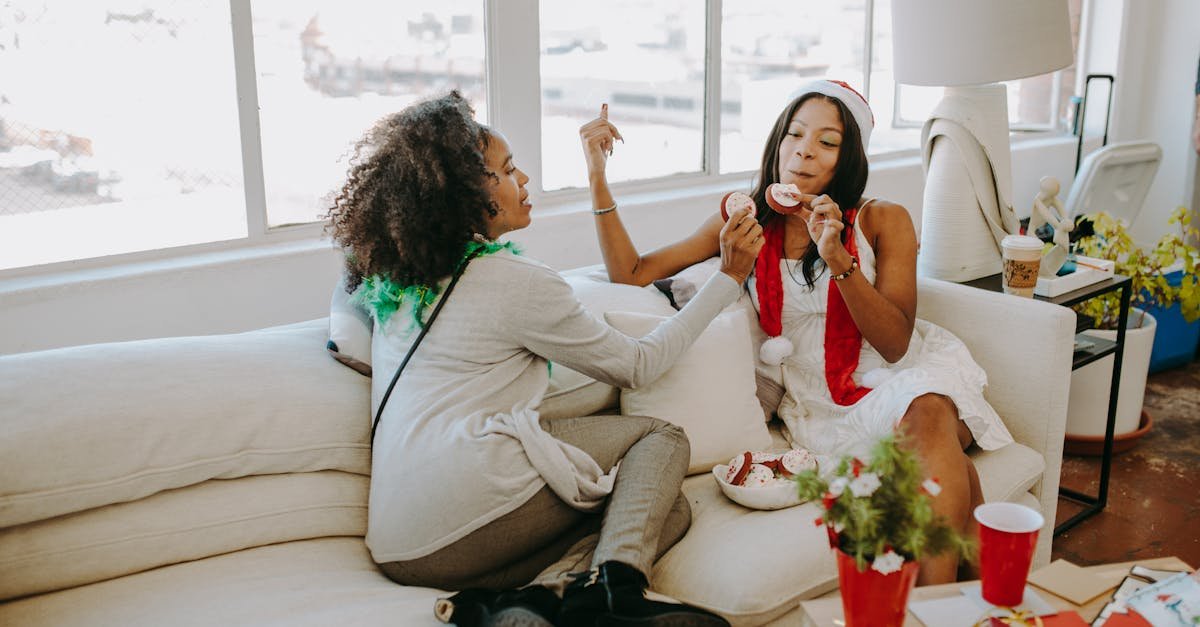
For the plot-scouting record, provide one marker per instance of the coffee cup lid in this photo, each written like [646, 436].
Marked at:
[1022, 242]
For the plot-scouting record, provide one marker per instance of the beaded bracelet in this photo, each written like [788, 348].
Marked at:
[600, 212]
[848, 272]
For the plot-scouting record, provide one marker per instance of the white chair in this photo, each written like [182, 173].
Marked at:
[1115, 179]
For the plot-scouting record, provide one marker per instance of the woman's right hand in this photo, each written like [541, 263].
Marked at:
[741, 239]
[598, 137]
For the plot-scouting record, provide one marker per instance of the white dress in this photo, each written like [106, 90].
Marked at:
[936, 362]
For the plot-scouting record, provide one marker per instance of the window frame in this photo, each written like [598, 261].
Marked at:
[512, 46]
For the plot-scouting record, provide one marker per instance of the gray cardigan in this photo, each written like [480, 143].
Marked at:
[459, 443]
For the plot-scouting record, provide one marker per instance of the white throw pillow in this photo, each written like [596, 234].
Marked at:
[571, 393]
[350, 328]
[710, 391]
[88, 426]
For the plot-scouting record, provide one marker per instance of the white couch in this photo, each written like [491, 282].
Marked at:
[222, 480]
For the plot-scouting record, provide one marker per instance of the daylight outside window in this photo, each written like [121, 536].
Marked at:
[645, 58]
[327, 70]
[118, 129]
[770, 47]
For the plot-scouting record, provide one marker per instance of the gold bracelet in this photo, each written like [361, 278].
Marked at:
[600, 212]
[853, 266]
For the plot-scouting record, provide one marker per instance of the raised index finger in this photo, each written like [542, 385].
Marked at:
[604, 112]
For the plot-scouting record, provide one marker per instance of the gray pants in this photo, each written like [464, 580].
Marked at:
[545, 539]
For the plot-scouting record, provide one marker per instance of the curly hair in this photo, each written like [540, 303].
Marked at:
[415, 194]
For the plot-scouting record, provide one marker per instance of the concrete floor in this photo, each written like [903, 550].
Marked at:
[1154, 488]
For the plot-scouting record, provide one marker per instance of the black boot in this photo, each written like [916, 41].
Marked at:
[532, 606]
[614, 595]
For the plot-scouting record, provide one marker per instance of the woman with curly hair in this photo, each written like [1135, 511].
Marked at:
[470, 490]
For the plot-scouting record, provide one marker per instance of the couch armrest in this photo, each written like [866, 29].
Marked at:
[1025, 346]
[89, 426]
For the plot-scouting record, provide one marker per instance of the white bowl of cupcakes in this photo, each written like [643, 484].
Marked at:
[761, 480]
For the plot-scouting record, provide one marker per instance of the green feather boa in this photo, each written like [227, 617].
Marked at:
[384, 298]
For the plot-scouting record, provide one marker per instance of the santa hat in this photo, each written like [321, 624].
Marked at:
[848, 96]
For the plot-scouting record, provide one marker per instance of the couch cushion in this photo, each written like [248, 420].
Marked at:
[178, 525]
[709, 391]
[350, 328]
[330, 581]
[88, 426]
[573, 394]
[1008, 473]
[748, 565]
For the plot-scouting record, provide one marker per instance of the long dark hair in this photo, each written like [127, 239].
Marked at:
[849, 174]
[416, 193]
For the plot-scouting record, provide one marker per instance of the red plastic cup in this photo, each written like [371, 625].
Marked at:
[1007, 536]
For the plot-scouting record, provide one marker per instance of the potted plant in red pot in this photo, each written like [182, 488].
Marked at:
[880, 521]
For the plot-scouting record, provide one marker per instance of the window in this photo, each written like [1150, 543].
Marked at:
[770, 47]
[136, 125]
[643, 57]
[327, 70]
[118, 129]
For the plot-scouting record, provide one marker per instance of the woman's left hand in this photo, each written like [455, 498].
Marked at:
[825, 227]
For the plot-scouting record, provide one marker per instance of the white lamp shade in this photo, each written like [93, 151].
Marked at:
[972, 42]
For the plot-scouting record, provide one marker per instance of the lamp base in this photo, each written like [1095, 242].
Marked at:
[966, 209]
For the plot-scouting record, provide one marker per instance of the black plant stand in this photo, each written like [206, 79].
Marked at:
[1101, 348]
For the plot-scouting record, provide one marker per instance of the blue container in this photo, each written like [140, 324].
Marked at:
[1175, 340]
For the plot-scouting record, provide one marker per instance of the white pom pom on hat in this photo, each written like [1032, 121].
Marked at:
[775, 350]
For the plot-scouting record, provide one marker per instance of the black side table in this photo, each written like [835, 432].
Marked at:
[1102, 348]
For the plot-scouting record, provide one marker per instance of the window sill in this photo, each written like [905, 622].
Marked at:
[33, 286]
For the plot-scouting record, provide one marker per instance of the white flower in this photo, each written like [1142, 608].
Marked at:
[932, 487]
[837, 486]
[865, 484]
[887, 563]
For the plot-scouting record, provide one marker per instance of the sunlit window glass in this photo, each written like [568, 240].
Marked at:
[118, 129]
[770, 47]
[328, 69]
[645, 58]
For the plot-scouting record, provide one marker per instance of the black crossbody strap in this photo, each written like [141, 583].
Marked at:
[425, 329]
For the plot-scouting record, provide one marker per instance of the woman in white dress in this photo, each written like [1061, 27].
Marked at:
[845, 360]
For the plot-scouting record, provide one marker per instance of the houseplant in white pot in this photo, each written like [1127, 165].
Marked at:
[1148, 269]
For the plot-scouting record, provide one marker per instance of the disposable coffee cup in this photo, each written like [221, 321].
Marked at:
[1022, 258]
[1007, 538]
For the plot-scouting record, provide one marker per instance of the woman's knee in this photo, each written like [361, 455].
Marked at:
[929, 416]
[668, 431]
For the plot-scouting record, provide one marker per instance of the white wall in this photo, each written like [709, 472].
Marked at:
[248, 289]
[1154, 99]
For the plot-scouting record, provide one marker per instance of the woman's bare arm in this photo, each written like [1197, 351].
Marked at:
[886, 312]
[621, 258]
